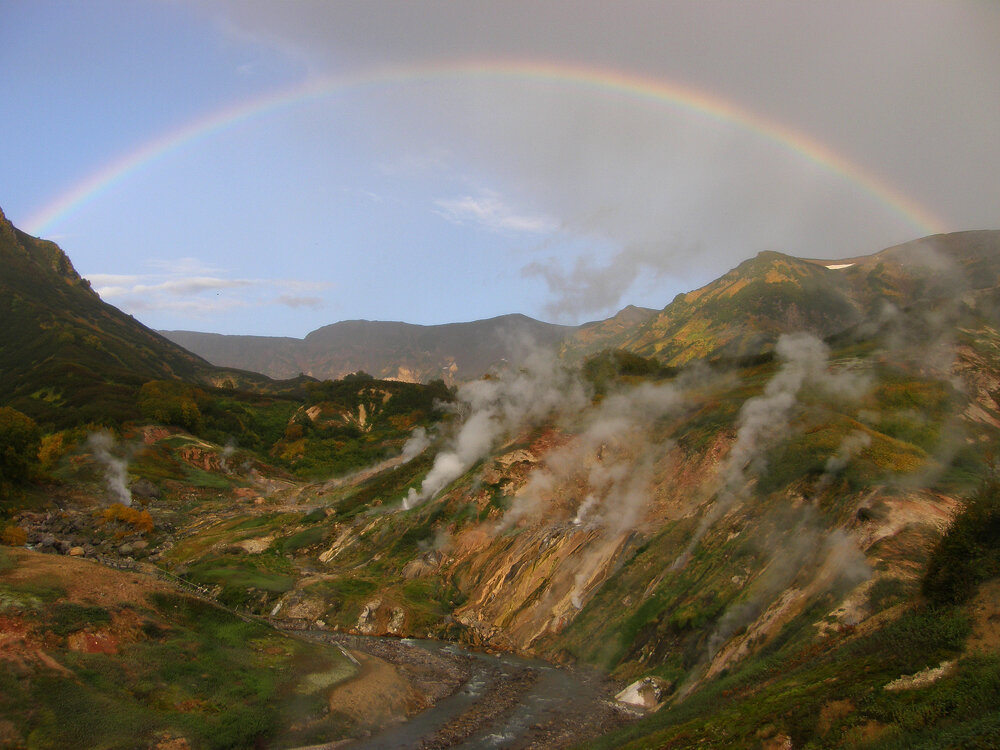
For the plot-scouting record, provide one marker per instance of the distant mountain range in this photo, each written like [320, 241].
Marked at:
[388, 350]
[59, 330]
[740, 314]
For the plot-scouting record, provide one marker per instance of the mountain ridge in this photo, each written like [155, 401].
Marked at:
[386, 349]
[66, 355]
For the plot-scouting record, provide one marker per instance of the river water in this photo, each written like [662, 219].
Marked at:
[506, 703]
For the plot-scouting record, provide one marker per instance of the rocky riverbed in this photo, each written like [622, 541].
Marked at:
[478, 700]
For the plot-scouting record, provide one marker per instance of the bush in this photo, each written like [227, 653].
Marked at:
[139, 519]
[171, 402]
[13, 536]
[969, 552]
[19, 443]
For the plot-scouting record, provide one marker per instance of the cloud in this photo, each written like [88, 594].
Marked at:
[289, 300]
[590, 287]
[560, 139]
[488, 209]
[185, 287]
[191, 308]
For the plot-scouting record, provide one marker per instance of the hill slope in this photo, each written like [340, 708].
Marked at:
[401, 351]
[68, 357]
[744, 312]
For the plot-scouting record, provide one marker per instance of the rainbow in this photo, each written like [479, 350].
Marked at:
[608, 82]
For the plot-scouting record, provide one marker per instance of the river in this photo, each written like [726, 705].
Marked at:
[502, 701]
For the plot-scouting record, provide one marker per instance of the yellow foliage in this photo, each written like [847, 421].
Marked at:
[139, 519]
[294, 449]
[53, 447]
[13, 536]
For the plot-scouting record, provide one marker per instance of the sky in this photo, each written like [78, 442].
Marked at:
[267, 168]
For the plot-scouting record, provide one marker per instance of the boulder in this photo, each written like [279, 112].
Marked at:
[647, 693]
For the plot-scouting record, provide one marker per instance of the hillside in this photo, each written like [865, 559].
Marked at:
[743, 312]
[68, 357]
[399, 351]
[752, 543]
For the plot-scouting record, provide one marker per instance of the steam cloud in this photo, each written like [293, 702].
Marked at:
[498, 407]
[101, 445]
[612, 458]
[415, 445]
[800, 548]
[764, 420]
[610, 464]
[588, 287]
[227, 452]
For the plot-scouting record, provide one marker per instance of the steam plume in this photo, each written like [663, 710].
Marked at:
[764, 420]
[498, 407]
[115, 475]
[415, 445]
[612, 457]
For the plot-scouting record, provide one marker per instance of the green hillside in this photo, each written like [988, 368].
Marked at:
[774, 508]
[66, 356]
[743, 312]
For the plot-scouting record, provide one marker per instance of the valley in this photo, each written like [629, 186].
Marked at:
[766, 516]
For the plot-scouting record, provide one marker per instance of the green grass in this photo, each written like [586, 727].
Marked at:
[245, 582]
[301, 540]
[193, 671]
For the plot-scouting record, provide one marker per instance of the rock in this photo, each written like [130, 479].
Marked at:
[923, 678]
[145, 489]
[396, 621]
[125, 549]
[366, 620]
[76, 551]
[47, 540]
[647, 693]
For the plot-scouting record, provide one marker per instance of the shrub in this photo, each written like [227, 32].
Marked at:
[139, 519]
[171, 402]
[19, 443]
[13, 536]
[969, 552]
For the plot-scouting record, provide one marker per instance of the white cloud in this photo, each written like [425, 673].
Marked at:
[290, 300]
[180, 287]
[489, 210]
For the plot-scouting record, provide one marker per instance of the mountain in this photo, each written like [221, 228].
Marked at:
[388, 350]
[599, 335]
[68, 357]
[745, 311]
[800, 548]
[61, 347]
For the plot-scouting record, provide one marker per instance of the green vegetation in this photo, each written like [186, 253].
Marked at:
[19, 444]
[189, 669]
[601, 369]
[243, 581]
[826, 696]
[355, 422]
[969, 553]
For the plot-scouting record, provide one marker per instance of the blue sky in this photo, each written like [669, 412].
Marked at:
[436, 198]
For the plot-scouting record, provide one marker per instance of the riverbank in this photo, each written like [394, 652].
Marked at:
[465, 700]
